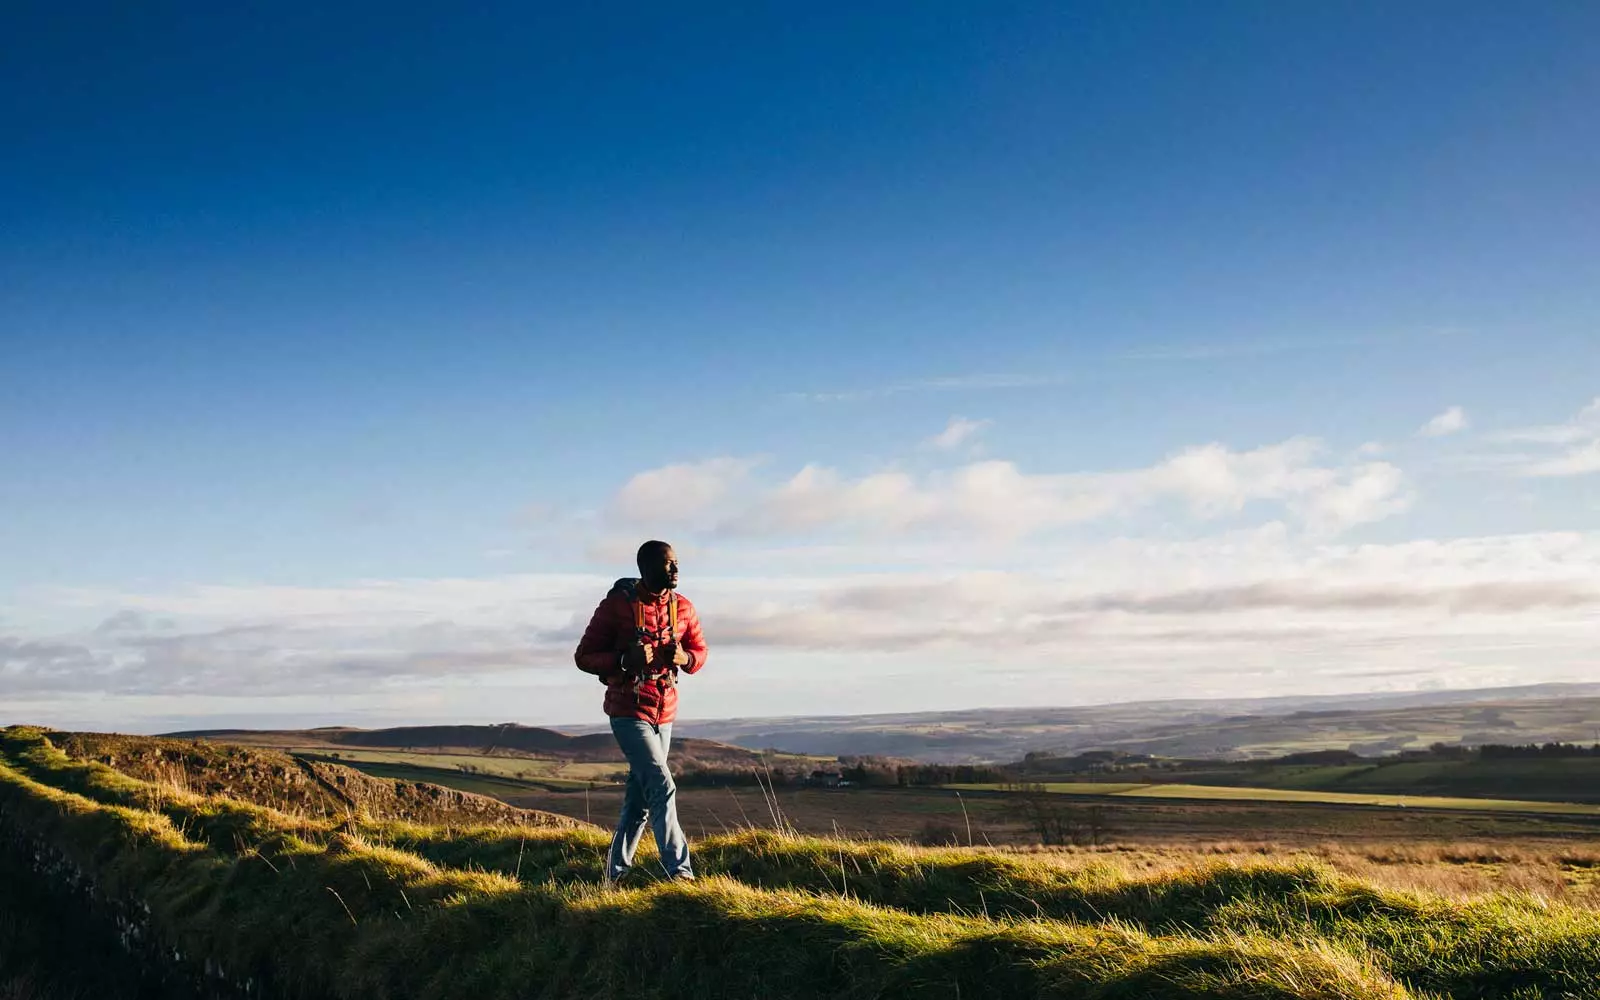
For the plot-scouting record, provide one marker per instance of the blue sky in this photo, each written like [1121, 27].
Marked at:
[344, 356]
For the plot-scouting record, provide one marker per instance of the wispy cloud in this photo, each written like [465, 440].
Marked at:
[1192, 613]
[1506, 597]
[1212, 351]
[1571, 448]
[1228, 349]
[1449, 422]
[949, 383]
[957, 432]
[1579, 461]
[1585, 424]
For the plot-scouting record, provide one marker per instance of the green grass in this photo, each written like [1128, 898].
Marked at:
[479, 784]
[538, 770]
[1560, 779]
[1238, 793]
[361, 908]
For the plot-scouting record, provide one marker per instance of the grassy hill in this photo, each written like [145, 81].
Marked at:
[284, 901]
[504, 762]
[509, 740]
[289, 783]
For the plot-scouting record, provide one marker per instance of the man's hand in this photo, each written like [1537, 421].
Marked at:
[638, 658]
[674, 654]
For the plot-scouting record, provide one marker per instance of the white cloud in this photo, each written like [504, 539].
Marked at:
[957, 432]
[1584, 425]
[1569, 449]
[1189, 617]
[1367, 493]
[680, 494]
[1578, 461]
[996, 499]
[1449, 422]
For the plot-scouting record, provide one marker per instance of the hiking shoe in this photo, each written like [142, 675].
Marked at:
[683, 877]
[622, 879]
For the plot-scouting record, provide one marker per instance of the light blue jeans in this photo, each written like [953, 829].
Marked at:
[651, 798]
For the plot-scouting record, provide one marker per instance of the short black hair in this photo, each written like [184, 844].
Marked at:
[649, 548]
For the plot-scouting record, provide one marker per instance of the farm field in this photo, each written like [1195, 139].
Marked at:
[1455, 850]
[1175, 790]
[1560, 779]
[356, 906]
[1445, 851]
[550, 772]
[1572, 779]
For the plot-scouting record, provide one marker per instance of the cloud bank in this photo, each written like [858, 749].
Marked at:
[1211, 570]
[997, 499]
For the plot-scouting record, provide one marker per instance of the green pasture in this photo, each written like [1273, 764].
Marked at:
[1235, 793]
[481, 784]
[539, 770]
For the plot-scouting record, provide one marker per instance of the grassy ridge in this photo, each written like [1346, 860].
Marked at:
[388, 909]
[1479, 948]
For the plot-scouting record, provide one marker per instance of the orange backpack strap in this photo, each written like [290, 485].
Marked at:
[672, 617]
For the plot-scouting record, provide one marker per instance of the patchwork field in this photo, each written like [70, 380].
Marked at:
[285, 901]
[1175, 790]
[1234, 728]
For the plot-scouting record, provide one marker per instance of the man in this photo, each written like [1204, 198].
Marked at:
[638, 640]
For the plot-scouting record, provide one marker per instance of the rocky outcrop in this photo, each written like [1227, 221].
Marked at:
[292, 784]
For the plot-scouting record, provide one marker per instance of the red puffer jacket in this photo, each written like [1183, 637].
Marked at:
[611, 631]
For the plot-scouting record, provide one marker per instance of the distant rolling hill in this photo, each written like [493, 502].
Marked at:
[503, 740]
[1225, 729]
[1233, 728]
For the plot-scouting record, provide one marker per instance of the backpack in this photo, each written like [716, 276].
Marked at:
[627, 587]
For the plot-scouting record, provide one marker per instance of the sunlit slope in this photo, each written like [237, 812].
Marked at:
[353, 906]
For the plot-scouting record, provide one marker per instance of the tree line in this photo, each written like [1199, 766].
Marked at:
[860, 771]
[1506, 751]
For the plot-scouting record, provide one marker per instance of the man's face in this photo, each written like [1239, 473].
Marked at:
[660, 569]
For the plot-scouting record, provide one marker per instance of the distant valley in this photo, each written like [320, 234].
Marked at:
[1222, 729]
[1229, 729]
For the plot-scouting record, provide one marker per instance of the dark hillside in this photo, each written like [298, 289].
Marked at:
[528, 739]
[44, 934]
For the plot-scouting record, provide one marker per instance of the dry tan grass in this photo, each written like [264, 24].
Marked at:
[1560, 871]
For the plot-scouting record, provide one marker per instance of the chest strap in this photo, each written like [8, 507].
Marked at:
[672, 616]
